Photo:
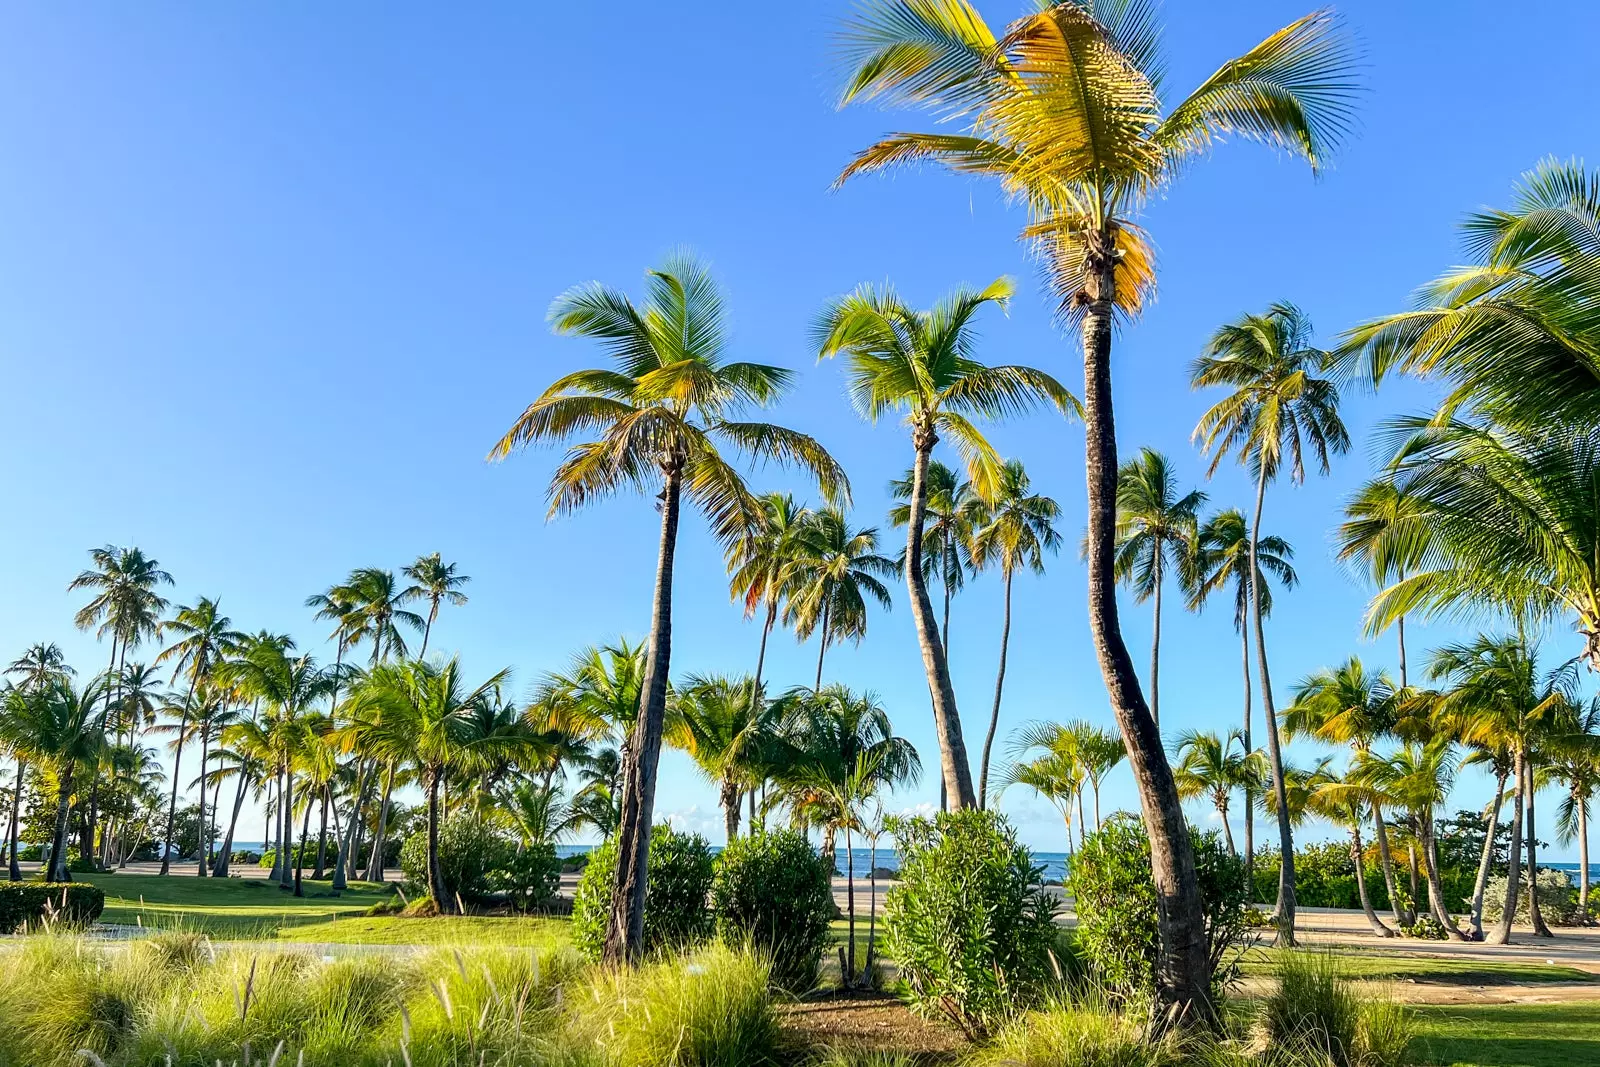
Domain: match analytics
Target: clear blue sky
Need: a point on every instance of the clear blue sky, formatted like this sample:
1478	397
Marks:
274	279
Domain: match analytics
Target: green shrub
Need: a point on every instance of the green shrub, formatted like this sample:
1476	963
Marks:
1066	1035
708	1009
468	850
676	912
527	877
1115	897
28	903
1558	901
969	924
772	890
1314	1015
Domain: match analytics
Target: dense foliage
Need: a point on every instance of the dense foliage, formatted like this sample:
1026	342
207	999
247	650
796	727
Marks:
468	850
969	924
27	903
773	891
677	909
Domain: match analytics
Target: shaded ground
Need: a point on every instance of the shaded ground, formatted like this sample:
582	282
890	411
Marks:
874	1021
1514	1035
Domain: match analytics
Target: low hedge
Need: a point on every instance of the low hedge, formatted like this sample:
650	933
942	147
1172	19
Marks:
22	903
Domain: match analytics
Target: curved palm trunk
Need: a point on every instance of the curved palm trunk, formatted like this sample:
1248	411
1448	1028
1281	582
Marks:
375	861
300	856
850	904
177	759
1404	914
1361	881
730	808
436	886
1227	831
427	629
1501	934
1283	914
219	869
1492	816
322	834
1531	834
1155	645
91	814
954	771
1583	858
1249	794
1430	863
642	754
1183	974
999	684
822	641
345	852
944	795
203	851
216	814
15	872
57	871
286	810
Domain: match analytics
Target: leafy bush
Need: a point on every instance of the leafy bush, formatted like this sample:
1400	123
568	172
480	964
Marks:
772	890
27	903
676	912
1314	1014
1558	902
528	877
969	924
1118	933
468	850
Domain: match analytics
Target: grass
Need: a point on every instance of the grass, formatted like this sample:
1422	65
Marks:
1509	1035
226	908
1397	967
448	931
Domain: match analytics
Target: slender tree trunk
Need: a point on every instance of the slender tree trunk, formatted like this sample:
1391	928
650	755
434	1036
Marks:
86	835
1430	863
1411	858
1094	785
177	759
822	642
850	904
57	871
999	684
944	794
15	871
322	834
1249	794
1083	824
730	808
1501	935
1531	835
286	878
1400	627
1227	831
427	629
1361	879
1183	974
755	686
1583	860
625	929
1285	910
954	770
1492	815
829	852
345	856
216	814
1404	915
300	856
219	869
375	863
872	914
1155	645
204	844
436	886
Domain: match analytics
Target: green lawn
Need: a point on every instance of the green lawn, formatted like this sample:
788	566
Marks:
447	930
1511	1035
231	908
1435	969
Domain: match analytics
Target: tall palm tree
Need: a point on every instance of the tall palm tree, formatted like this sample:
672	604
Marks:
1278	409
922	363
1344	802
716	723
1512	333
1018	529
40	665
205	637
1350	705
1222	559
378	611
1386	530
339	604
1064	109
659	415
1156	527
1045	758
1417	776
950	518
1576	763
837	569
59	728
434	580
1209	766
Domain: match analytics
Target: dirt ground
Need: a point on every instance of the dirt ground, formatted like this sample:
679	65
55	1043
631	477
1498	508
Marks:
874	1021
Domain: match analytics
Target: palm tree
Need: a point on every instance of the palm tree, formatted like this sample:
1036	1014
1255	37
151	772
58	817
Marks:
1577	764
425	717
1344	803
1386	530
1278	410
1155	529
597	697
205	637
57	727
950	518
1209	766
660	414
1417	776
1222	558
1045	759
435	581
1018	529
1064	109
921	363
377	611
40	665
716	723
537	813
1511	334
1353	706
339	605
835	571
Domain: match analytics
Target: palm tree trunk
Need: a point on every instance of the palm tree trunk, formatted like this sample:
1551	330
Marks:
300	856
1531	835
1249	794
1227	831
375	861
755	685
219	869
204	843
850	904
427	629
1155	645
86	837
625	930
730	808
216	814
344	854
954	771
1083	824
1285	909
58	839
1583	860
1508	911
822	641
322	834
436	886
1361	880
1491	815
1404	915
15	873
1095	786
999	684
872	913
286	806
829	852
1400	627
1183	974
177	759
944	795
1430	863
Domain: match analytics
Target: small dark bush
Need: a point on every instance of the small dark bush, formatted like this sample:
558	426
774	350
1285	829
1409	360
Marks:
25	903
773	890
1115	898
676	910
468	850
969	923
527	877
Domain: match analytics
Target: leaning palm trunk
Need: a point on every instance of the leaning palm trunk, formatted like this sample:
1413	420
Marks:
1491	815
954	772
1430	863
1361	878
57	871
322	834
15	873
1249	794
1283	914
286	811
436	886
219	869
999	685
1531	836
177	759
822	642
1183	974
375	862
300	856
203	851
1155	644
1508	911
625	928
1404	915
345	852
